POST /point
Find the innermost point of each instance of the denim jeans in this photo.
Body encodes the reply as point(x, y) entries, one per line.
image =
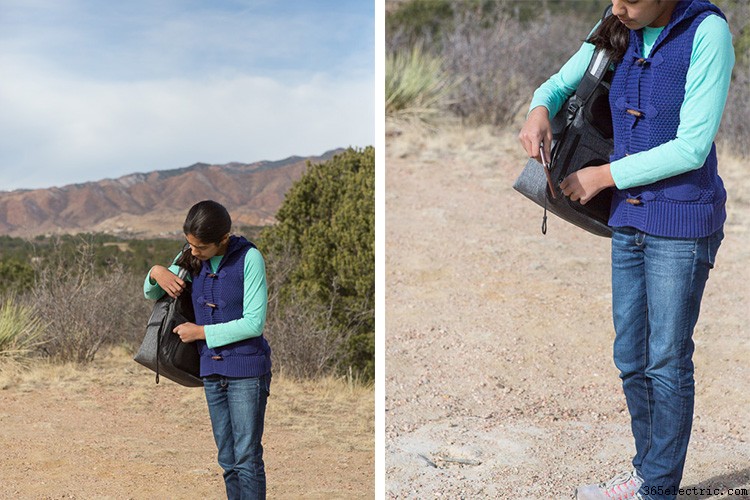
point(237, 407)
point(657, 286)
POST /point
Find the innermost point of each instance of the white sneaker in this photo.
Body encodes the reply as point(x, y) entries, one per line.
point(623, 486)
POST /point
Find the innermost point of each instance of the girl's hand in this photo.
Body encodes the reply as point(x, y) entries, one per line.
point(536, 130)
point(190, 332)
point(587, 183)
point(167, 280)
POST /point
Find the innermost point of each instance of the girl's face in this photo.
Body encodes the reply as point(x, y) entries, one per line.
point(635, 14)
point(204, 251)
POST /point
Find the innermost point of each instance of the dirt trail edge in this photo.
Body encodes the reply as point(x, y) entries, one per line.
point(107, 431)
point(500, 380)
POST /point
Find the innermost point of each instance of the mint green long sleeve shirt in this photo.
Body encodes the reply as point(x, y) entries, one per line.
point(255, 302)
point(706, 87)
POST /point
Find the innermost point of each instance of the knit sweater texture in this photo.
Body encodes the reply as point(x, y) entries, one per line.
point(645, 97)
point(706, 88)
point(218, 298)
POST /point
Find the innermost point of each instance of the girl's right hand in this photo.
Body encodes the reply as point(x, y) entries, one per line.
point(167, 280)
point(535, 131)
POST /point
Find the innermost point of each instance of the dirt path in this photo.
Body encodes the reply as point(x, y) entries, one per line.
point(500, 380)
point(107, 432)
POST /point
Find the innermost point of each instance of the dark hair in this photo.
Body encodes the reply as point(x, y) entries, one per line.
point(612, 36)
point(207, 221)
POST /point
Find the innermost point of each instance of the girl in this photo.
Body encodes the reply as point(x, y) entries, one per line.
point(230, 299)
point(673, 65)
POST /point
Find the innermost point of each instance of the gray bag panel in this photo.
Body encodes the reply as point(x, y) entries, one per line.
point(169, 356)
point(532, 183)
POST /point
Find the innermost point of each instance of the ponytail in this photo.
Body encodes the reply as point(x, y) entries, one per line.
point(188, 262)
point(612, 36)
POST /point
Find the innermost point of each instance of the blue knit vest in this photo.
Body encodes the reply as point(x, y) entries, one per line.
point(646, 96)
point(219, 297)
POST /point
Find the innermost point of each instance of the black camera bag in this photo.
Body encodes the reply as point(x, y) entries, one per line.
point(582, 137)
point(162, 351)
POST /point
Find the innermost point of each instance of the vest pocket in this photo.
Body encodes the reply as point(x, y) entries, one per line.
point(684, 187)
point(248, 350)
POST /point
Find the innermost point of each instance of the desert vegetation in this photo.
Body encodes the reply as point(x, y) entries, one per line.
point(80, 414)
point(64, 298)
point(20, 330)
point(491, 55)
point(321, 266)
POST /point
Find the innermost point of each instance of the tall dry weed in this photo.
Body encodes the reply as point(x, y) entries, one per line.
point(503, 61)
point(305, 341)
point(85, 309)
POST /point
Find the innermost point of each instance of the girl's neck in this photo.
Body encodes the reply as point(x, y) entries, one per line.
point(665, 16)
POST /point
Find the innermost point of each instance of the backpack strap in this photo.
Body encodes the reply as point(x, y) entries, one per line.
point(598, 67)
point(595, 73)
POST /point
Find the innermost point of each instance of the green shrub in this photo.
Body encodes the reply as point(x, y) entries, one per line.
point(321, 266)
point(17, 275)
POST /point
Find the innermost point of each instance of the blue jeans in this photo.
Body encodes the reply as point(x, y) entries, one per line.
point(237, 407)
point(657, 286)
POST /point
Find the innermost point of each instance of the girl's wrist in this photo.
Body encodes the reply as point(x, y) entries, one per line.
point(605, 176)
point(539, 110)
point(151, 278)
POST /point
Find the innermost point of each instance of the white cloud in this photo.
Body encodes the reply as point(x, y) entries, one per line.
point(57, 128)
point(102, 89)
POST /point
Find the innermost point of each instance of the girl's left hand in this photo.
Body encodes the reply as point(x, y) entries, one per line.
point(190, 332)
point(586, 183)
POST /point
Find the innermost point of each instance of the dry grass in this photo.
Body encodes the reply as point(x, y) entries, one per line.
point(310, 406)
point(74, 422)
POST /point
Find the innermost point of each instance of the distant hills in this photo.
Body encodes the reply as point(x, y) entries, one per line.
point(155, 203)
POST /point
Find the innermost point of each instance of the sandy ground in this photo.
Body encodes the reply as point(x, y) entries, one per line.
point(499, 376)
point(108, 432)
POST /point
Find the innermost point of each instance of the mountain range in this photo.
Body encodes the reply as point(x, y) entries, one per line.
point(155, 203)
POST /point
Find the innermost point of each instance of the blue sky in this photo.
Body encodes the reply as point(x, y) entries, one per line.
point(95, 89)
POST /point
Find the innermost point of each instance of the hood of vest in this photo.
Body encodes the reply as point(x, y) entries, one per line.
point(236, 244)
point(684, 11)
